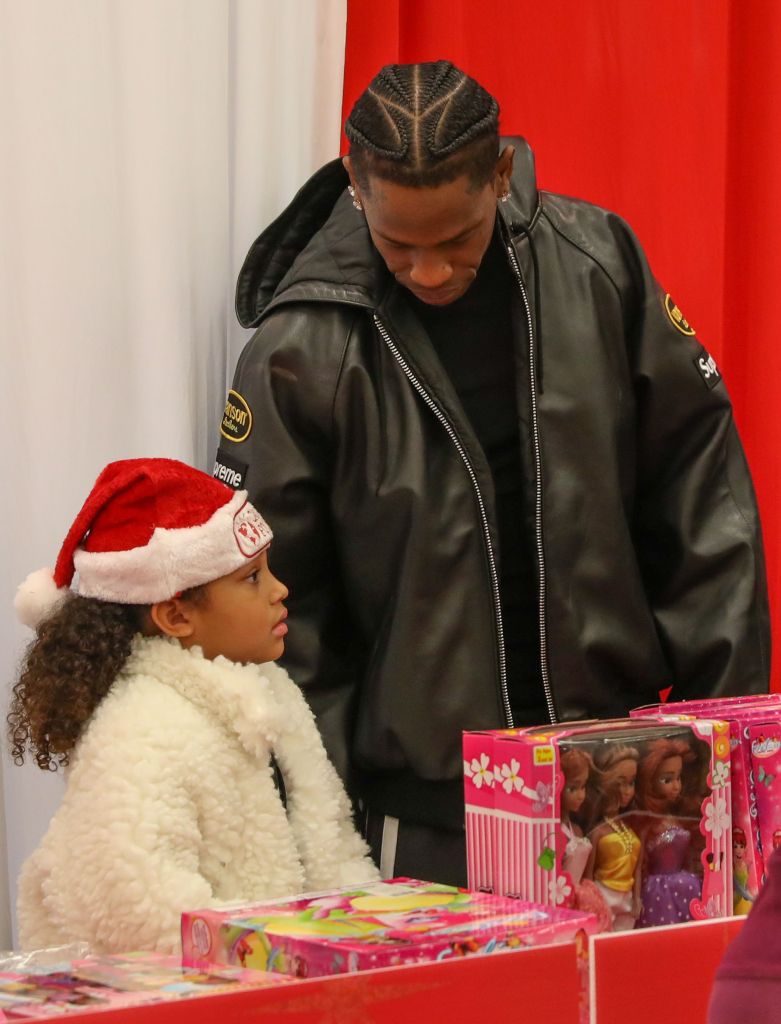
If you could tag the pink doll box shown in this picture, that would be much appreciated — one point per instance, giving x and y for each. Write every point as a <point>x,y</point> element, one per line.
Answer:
<point>478,748</point>
<point>116,982</point>
<point>764,740</point>
<point>530,842</point>
<point>741,713</point>
<point>379,925</point>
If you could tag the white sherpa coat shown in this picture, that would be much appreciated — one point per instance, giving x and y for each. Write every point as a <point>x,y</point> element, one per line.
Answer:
<point>171,805</point>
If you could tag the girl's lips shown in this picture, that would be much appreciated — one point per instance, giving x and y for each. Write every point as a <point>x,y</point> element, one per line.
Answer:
<point>281,627</point>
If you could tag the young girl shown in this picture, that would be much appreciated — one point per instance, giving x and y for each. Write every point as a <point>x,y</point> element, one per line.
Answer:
<point>667,888</point>
<point>155,685</point>
<point>615,856</point>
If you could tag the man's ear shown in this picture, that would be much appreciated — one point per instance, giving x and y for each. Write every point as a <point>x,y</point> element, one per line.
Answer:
<point>504,170</point>
<point>348,166</point>
<point>173,618</point>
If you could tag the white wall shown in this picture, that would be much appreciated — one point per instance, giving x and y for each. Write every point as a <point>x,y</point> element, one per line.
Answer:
<point>145,143</point>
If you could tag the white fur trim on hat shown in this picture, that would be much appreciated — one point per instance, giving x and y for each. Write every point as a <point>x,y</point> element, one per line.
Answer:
<point>173,560</point>
<point>38,597</point>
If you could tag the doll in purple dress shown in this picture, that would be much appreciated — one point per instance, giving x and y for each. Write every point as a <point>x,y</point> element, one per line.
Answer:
<point>667,888</point>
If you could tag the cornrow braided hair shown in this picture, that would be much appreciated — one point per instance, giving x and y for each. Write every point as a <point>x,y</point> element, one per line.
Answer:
<point>422,125</point>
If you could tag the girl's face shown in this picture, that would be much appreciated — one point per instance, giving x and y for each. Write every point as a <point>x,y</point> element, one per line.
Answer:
<point>242,617</point>
<point>621,778</point>
<point>738,850</point>
<point>667,780</point>
<point>574,792</point>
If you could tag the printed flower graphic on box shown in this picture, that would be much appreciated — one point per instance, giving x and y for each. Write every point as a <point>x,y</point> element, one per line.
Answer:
<point>720,774</point>
<point>721,747</point>
<point>559,889</point>
<point>508,778</point>
<point>479,771</point>
<point>717,818</point>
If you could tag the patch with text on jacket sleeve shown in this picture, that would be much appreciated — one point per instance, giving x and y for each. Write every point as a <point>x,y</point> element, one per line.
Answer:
<point>229,470</point>
<point>707,368</point>
<point>237,418</point>
<point>677,319</point>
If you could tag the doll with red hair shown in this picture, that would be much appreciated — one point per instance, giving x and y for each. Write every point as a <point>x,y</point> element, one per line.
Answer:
<point>667,889</point>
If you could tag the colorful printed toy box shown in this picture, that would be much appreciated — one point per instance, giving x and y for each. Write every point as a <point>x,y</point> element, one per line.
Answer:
<point>478,750</point>
<point>115,982</point>
<point>742,713</point>
<point>628,820</point>
<point>379,925</point>
<point>764,740</point>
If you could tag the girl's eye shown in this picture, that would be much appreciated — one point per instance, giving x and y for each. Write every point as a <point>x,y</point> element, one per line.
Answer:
<point>254,576</point>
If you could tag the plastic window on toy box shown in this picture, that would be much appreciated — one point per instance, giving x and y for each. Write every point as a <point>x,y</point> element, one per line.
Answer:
<point>644,824</point>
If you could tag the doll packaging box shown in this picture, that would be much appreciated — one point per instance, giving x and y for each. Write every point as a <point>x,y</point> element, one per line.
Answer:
<point>116,982</point>
<point>383,924</point>
<point>764,740</point>
<point>743,714</point>
<point>480,820</point>
<point>628,820</point>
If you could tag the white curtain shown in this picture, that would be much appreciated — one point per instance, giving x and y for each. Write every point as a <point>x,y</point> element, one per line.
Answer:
<point>143,145</point>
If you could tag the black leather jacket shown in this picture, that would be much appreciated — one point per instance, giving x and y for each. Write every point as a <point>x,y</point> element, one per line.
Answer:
<point>651,569</point>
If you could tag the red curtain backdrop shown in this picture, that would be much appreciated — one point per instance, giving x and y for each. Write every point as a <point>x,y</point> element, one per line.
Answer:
<point>667,111</point>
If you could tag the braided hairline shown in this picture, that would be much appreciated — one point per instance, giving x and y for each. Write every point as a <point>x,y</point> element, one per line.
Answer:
<point>413,141</point>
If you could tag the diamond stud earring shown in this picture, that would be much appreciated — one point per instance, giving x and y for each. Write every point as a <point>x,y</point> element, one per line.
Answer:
<point>356,202</point>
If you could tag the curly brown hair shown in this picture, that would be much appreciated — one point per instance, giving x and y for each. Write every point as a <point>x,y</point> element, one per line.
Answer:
<point>66,671</point>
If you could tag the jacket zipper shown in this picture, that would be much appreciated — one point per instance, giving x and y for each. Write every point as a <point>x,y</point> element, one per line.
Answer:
<point>542,593</point>
<point>429,401</point>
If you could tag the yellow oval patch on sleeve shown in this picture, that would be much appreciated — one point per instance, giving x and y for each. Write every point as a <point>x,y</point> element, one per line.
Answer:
<point>677,319</point>
<point>237,418</point>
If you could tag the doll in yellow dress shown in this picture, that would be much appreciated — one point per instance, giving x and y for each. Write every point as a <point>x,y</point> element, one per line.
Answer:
<point>614,863</point>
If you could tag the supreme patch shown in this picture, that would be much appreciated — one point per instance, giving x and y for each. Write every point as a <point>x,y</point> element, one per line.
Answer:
<point>237,418</point>
<point>229,470</point>
<point>676,317</point>
<point>707,369</point>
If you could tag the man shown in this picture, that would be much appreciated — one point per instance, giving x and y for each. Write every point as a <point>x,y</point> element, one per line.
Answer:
<point>510,460</point>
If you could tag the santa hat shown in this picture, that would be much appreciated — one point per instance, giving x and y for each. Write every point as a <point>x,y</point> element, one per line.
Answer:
<point>150,529</point>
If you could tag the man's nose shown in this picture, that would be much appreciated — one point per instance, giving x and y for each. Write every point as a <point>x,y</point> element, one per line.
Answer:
<point>430,270</point>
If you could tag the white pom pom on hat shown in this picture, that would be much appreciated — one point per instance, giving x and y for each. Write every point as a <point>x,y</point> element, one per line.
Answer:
<point>38,598</point>
<point>150,529</point>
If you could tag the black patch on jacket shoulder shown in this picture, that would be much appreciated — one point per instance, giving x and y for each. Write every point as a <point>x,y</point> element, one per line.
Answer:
<point>237,418</point>
<point>707,369</point>
<point>229,470</point>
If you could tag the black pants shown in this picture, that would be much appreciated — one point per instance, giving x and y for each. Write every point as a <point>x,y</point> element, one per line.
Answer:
<point>406,849</point>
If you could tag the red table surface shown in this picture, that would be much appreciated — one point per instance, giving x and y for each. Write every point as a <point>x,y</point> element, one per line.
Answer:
<point>531,984</point>
<point>657,975</point>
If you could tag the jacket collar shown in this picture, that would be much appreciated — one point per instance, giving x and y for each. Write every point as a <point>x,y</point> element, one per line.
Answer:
<point>240,697</point>
<point>319,248</point>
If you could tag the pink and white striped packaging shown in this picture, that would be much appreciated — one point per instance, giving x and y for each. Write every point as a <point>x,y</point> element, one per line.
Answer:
<point>479,800</point>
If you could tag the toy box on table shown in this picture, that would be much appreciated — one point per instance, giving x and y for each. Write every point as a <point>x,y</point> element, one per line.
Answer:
<point>566,833</point>
<point>378,925</point>
<point>758,713</point>
<point>115,982</point>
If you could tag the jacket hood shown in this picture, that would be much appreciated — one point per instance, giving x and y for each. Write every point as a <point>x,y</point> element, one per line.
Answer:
<point>319,248</point>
